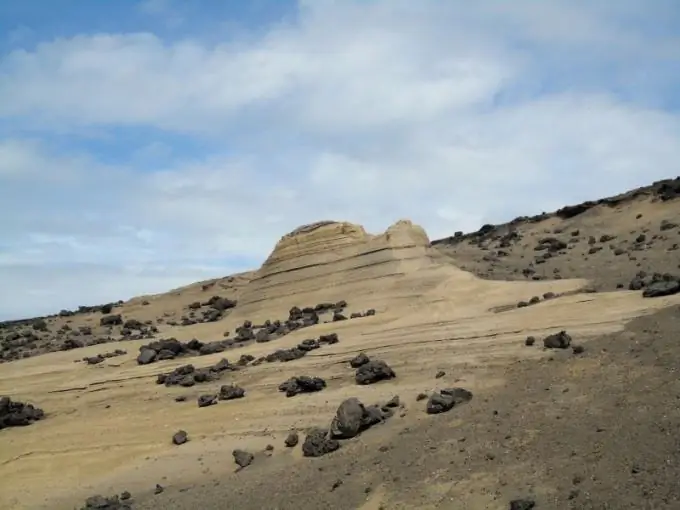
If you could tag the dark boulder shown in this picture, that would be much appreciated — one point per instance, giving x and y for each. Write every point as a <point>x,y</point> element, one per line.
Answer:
<point>146,356</point>
<point>447,399</point>
<point>162,355</point>
<point>211,348</point>
<point>285,355</point>
<point>309,345</point>
<point>373,371</point>
<point>302,384</point>
<point>393,402</point>
<point>18,414</point>
<point>207,400</point>
<point>133,324</point>
<point>244,334</point>
<point>317,443</point>
<point>330,339</point>
<point>111,320</point>
<point>221,366</point>
<point>99,502</point>
<point>231,392</point>
<point>359,360</point>
<point>245,359</point>
<point>522,504</point>
<point>661,288</point>
<point>352,417</point>
<point>71,343</point>
<point>212,315</point>
<point>292,439</point>
<point>221,304</point>
<point>262,336</point>
<point>242,458</point>
<point>180,437</point>
<point>348,419</point>
<point>194,344</point>
<point>559,340</point>
<point>570,211</point>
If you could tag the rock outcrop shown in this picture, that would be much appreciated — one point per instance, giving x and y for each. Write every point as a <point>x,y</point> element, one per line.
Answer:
<point>330,260</point>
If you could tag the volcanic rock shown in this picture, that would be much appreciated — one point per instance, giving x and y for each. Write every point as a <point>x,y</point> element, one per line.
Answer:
<point>373,371</point>
<point>447,399</point>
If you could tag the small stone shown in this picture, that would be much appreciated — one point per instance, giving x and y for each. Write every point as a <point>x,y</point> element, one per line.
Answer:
<point>292,439</point>
<point>242,458</point>
<point>522,504</point>
<point>180,437</point>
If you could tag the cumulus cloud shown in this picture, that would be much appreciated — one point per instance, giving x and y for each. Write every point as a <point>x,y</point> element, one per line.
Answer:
<point>151,162</point>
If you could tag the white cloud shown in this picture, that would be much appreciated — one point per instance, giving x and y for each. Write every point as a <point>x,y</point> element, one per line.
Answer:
<point>450,113</point>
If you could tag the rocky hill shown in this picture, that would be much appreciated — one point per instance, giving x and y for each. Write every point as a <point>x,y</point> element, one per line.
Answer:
<point>526,365</point>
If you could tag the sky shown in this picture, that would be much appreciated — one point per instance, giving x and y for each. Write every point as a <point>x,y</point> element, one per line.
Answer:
<point>148,144</point>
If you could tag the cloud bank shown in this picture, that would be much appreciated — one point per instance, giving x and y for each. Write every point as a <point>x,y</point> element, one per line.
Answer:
<point>134,161</point>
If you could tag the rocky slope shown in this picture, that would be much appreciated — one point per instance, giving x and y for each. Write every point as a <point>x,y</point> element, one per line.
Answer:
<point>607,241</point>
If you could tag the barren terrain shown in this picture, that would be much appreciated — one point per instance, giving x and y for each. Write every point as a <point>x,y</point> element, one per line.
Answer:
<point>593,425</point>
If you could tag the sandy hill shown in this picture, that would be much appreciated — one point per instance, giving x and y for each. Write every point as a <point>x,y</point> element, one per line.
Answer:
<point>543,424</point>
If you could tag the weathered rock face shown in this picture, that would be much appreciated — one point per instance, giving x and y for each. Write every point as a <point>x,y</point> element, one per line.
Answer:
<point>331,259</point>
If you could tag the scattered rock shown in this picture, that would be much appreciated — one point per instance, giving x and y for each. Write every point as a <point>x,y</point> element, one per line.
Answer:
<point>662,288</point>
<point>146,356</point>
<point>317,443</point>
<point>348,419</point>
<point>373,371</point>
<point>242,458</point>
<point>180,437</point>
<point>99,502</point>
<point>393,402</point>
<point>231,392</point>
<point>188,375</point>
<point>447,399</point>
<point>559,340</point>
<point>292,439</point>
<point>359,360</point>
<point>522,504</point>
<point>111,320</point>
<point>302,384</point>
<point>18,414</point>
<point>207,400</point>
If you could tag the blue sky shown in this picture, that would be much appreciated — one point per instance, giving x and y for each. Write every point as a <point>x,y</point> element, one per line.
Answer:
<point>149,144</point>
